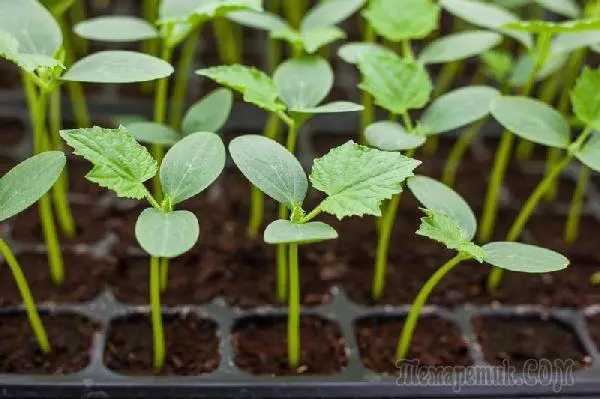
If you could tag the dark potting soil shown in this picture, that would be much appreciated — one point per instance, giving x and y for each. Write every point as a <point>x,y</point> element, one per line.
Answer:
<point>70,337</point>
<point>12,131</point>
<point>525,340</point>
<point>78,184</point>
<point>260,347</point>
<point>6,164</point>
<point>85,278</point>
<point>191,344</point>
<point>436,342</point>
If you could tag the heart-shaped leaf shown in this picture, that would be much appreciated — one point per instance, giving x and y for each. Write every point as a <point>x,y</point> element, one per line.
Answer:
<point>457,108</point>
<point>271,168</point>
<point>27,182</point>
<point>524,258</point>
<point>532,120</point>
<point>585,99</point>
<point>329,13</point>
<point>414,19</point>
<point>352,53</point>
<point>153,133</point>
<point>391,136</point>
<point>286,232</point>
<point>304,82</point>
<point>458,46</point>
<point>118,66</point>
<point>166,235</point>
<point>191,165</point>
<point>436,196</point>
<point>209,114</point>
<point>116,28</point>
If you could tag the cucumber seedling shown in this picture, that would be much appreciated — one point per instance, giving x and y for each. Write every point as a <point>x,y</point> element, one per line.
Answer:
<point>356,180</point>
<point>450,221</point>
<point>123,165</point>
<point>20,188</point>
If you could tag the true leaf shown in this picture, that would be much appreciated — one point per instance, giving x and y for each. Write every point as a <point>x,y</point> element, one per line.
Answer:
<point>532,120</point>
<point>357,179</point>
<point>457,108</point>
<point>436,196</point>
<point>566,8</point>
<point>330,108</point>
<point>255,85</point>
<point>352,53</point>
<point>209,114</point>
<point>589,154</point>
<point>315,38</point>
<point>259,20</point>
<point>586,99</point>
<point>303,82</point>
<point>285,232</point>
<point>120,163</point>
<point>329,13</point>
<point>440,227</point>
<point>271,168</point>
<point>150,132</point>
<point>458,46</point>
<point>396,84</point>
<point>524,258</point>
<point>413,19</point>
<point>166,235</point>
<point>116,28</point>
<point>487,16</point>
<point>391,136</point>
<point>27,182</point>
<point>579,25</point>
<point>117,66</point>
<point>191,165</point>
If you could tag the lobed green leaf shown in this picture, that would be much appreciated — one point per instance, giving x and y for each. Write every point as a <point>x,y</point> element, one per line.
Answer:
<point>166,235</point>
<point>209,114</point>
<point>524,258</point>
<point>287,232</point>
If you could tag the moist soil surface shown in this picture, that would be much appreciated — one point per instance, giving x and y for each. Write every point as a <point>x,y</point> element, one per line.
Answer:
<point>191,344</point>
<point>526,340</point>
<point>260,347</point>
<point>436,342</point>
<point>70,337</point>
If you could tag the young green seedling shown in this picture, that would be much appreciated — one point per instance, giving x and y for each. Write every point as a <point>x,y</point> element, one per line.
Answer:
<point>20,188</point>
<point>356,180</point>
<point>450,221</point>
<point>123,165</point>
<point>398,85</point>
<point>294,94</point>
<point>538,122</point>
<point>31,38</point>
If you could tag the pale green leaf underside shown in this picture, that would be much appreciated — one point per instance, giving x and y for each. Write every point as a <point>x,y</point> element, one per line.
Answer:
<point>27,182</point>
<point>120,163</point>
<point>585,97</point>
<point>436,196</point>
<point>457,108</point>
<point>569,42</point>
<point>166,235</point>
<point>271,168</point>
<point>117,66</point>
<point>524,258</point>
<point>258,20</point>
<point>191,165</point>
<point>330,12</point>
<point>352,53</point>
<point>116,29</point>
<point>396,84</point>
<point>590,153</point>
<point>458,46</point>
<point>256,87</point>
<point>303,82</point>
<point>391,136</point>
<point>153,133</point>
<point>286,232</point>
<point>209,114</point>
<point>357,179</point>
<point>413,19</point>
<point>330,108</point>
<point>532,120</point>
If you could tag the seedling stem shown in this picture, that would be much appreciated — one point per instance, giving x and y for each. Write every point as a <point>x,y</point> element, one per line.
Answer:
<point>294,309</point>
<point>573,221</point>
<point>157,328</point>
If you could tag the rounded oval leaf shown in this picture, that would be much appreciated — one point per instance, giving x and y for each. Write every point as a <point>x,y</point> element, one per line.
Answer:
<point>590,153</point>
<point>271,168</point>
<point>413,19</point>
<point>116,29</point>
<point>118,66</point>
<point>154,133</point>
<point>286,232</point>
<point>569,42</point>
<point>532,120</point>
<point>391,136</point>
<point>335,107</point>
<point>438,197</point>
<point>457,108</point>
<point>524,258</point>
<point>304,82</point>
<point>209,114</point>
<point>166,235</point>
<point>332,12</point>
<point>191,165</point>
<point>258,20</point>
<point>352,53</point>
<point>524,66</point>
<point>458,46</point>
<point>27,182</point>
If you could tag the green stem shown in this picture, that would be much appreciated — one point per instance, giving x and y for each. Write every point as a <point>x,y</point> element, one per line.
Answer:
<point>164,274</point>
<point>446,77</point>
<point>274,46</point>
<point>157,327</point>
<point>28,301</point>
<point>413,316</point>
<point>553,157</point>
<point>282,263</point>
<point>294,12</point>
<point>184,69</point>
<point>407,51</point>
<point>573,221</point>
<point>78,14</point>
<point>229,52</point>
<point>385,232</point>
<point>294,310</point>
<point>150,14</point>
<point>368,114</point>
<point>458,152</point>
